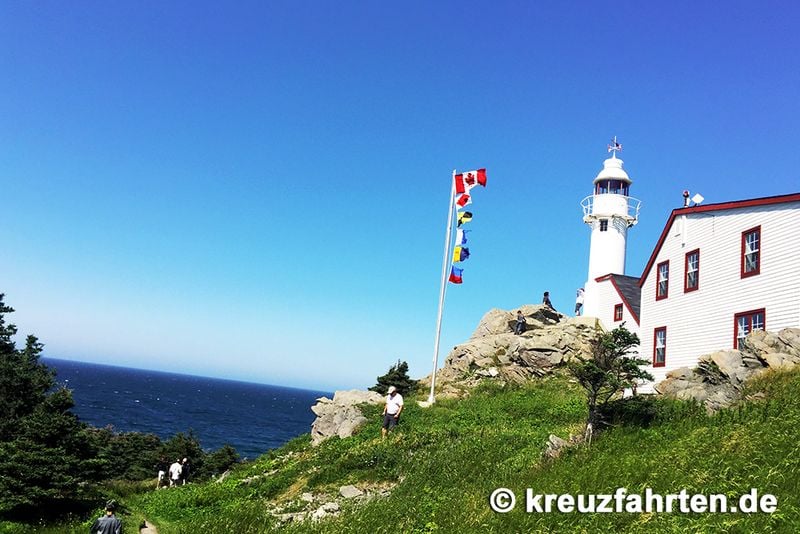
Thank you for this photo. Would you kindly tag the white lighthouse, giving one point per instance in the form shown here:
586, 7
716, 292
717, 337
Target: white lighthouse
609, 212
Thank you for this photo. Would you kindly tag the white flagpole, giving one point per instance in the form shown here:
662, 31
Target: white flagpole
443, 288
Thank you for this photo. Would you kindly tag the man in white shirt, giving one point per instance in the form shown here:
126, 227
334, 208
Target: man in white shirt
175, 471
391, 411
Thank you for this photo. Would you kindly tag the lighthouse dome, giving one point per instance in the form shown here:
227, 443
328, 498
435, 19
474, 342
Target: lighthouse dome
612, 170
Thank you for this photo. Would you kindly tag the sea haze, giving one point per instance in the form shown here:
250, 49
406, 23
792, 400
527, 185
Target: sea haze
252, 417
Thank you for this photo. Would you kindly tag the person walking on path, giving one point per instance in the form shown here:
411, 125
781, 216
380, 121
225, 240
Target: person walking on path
175, 471
579, 301
107, 524
546, 300
162, 468
391, 411
519, 328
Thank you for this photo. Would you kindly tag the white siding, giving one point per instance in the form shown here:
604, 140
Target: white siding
702, 321
608, 296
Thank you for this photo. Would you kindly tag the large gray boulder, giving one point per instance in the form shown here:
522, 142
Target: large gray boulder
340, 416
718, 380
495, 352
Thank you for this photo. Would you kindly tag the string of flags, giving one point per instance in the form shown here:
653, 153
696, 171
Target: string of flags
464, 183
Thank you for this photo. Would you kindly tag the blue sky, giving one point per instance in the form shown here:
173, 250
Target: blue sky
259, 191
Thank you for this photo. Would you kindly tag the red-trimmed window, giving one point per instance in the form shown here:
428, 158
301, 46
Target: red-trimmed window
746, 322
660, 347
662, 282
751, 252
618, 312
691, 282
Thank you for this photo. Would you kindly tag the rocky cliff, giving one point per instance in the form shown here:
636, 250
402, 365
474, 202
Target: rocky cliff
719, 378
549, 340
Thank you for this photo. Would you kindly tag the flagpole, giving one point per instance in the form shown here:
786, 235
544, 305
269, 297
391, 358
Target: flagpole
443, 288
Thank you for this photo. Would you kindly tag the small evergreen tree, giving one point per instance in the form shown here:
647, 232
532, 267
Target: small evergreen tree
397, 377
220, 460
608, 371
45, 458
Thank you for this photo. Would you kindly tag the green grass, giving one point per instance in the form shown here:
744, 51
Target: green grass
447, 457
443, 463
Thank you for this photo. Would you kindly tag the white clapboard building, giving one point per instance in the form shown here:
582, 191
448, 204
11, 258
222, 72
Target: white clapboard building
716, 272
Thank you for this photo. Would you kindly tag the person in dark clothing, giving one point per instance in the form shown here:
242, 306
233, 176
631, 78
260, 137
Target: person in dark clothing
184, 471
107, 524
519, 328
546, 301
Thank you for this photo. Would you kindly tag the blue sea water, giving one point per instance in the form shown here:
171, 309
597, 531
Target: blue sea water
252, 417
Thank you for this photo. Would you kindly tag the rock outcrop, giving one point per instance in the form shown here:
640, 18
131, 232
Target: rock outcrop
550, 339
718, 379
340, 416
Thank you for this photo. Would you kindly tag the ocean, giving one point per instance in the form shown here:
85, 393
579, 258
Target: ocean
254, 418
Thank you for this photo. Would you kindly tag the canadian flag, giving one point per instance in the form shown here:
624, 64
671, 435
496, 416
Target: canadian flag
467, 180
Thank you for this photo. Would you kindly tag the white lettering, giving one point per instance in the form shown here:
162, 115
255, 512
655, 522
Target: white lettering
566, 503
769, 503
619, 497
719, 503
633, 504
698, 504
651, 498
604, 507
533, 503
583, 506
748, 503
549, 499
684, 499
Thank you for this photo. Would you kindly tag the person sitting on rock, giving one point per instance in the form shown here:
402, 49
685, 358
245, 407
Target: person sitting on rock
391, 411
546, 301
519, 328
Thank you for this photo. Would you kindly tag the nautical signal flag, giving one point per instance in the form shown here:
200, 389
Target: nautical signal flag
467, 180
464, 217
460, 254
455, 275
464, 200
461, 237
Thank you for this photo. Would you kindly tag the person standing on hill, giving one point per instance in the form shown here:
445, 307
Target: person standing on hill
162, 468
175, 471
546, 300
184, 471
579, 301
107, 524
391, 411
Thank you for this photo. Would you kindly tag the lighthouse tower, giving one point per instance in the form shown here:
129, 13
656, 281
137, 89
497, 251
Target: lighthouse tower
609, 212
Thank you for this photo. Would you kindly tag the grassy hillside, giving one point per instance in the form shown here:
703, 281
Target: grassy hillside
445, 461
442, 464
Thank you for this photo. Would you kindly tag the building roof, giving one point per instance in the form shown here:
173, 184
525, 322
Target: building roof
628, 289
736, 204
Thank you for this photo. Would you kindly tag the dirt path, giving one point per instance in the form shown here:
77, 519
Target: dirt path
149, 528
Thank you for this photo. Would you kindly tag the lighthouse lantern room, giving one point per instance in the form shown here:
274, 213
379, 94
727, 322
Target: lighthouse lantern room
609, 212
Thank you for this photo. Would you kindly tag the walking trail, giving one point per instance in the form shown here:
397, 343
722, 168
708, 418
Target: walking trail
149, 528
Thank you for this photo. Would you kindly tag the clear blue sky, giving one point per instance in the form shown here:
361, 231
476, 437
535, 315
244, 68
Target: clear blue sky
259, 191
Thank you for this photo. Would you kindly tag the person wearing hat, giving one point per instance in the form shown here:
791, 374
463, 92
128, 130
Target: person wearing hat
391, 411
107, 524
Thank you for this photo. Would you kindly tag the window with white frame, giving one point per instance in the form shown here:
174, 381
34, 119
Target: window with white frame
692, 281
746, 322
662, 284
603, 225
751, 252
660, 347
